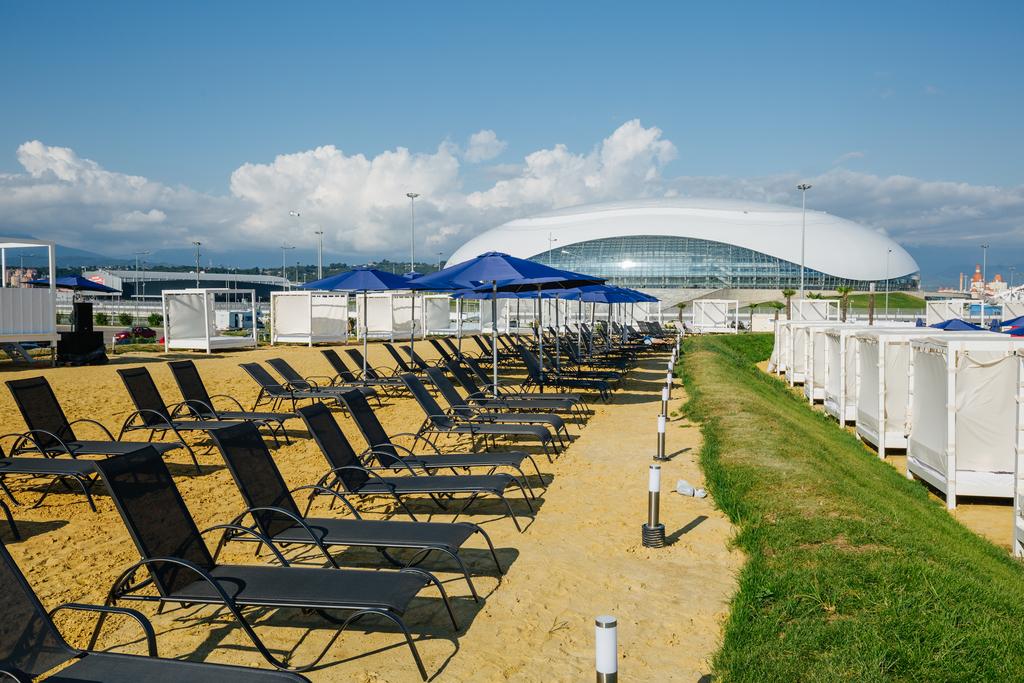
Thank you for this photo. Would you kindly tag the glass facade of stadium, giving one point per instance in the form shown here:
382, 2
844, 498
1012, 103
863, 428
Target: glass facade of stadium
656, 261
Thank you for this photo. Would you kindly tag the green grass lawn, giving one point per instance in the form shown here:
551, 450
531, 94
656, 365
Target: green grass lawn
900, 300
852, 572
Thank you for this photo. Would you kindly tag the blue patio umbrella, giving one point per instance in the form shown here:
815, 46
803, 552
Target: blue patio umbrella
956, 325
1012, 322
75, 283
362, 280
504, 273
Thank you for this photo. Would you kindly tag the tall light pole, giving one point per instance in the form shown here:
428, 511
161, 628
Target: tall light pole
284, 267
412, 236
197, 245
1013, 269
440, 255
803, 187
319, 254
984, 279
887, 255
137, 255
551, 240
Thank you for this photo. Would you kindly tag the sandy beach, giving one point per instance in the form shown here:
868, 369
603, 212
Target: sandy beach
580, 558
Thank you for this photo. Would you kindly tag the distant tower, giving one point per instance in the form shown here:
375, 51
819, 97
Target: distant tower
961, 282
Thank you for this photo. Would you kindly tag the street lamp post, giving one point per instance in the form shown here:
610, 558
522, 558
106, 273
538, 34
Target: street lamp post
440, 255
412, 230
551, 240
320, 255
284, 256
1013, 269
803, 187
887, 255
137, 255
197, 245
984, 279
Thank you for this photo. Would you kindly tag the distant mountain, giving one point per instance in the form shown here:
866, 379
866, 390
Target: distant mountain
67, 257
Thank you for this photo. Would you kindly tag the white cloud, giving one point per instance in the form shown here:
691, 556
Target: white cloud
483, 146
849, 156
360, 201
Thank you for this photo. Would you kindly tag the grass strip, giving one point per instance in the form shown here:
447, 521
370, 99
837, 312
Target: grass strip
853, 573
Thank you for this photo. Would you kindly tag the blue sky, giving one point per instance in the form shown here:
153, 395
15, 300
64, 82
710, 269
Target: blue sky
185, 94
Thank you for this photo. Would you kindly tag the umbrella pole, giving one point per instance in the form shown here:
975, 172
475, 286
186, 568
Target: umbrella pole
579, 328
365, 350
458, 329
558, 339
540, 330
412, 325
494, 335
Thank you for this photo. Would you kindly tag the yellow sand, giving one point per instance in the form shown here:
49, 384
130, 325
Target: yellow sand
582, 556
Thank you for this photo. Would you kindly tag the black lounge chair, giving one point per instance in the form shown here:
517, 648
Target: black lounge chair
442, 352
276, 516
182, 571
459, 407
550, 379
345, 376
31, 646
56, 469
296, 381
152, 414
437, 422
402, 366
350, 477
273, 393
454, 348
516, 402
49, 431
193, 391
416, 358
389, 454
372, 373
10, 520
521, 390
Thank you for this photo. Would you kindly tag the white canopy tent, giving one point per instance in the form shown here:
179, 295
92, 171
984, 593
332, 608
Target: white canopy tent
816, 358
940, 310
716, 315
883, 385
28, 314
777, 361
388, 315
308, 317
436, 314
190, 319
963, 437
798, 343
812, 310
842, 379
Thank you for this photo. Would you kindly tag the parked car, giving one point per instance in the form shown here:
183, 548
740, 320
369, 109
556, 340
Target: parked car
128, 336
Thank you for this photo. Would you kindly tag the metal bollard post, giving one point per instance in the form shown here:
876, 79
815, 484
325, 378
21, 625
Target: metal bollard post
654, 531
659, 454
606, 647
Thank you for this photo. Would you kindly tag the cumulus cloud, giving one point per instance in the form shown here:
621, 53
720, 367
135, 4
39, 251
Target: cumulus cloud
359, 201
483, 146
849, 156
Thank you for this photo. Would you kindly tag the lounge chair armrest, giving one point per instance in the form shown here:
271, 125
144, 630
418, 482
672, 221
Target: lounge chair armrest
327, 491
14, 677
415, 439
328, 381
141, 413
246, 530
92, 422
233, 400
371, 471
139, 617
396, 464
27, 436
292, 387
22, 437
186, 408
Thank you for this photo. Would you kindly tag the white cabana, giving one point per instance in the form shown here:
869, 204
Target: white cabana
716, 315
777, 360
389, 315
28, 314
963, 436
939, 310
841, 373
883, 385
796, 348
813, 310
190, 319
308, 317
817, 358
1012, 309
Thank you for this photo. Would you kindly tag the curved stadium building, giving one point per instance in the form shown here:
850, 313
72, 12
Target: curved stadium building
705, 244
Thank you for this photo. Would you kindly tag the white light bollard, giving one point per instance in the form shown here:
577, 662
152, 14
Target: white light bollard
660, 453
606, 649
654, 530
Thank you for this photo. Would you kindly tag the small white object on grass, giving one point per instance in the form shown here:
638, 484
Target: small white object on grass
684, 488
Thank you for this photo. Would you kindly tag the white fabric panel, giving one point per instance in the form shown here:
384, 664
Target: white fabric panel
819, 357
402, 313
27, 311
867, 396
943, 309
928, 435
378, 313
1012, 309
986, 414
186, 316
811, 310
833, 361
436, 314
330, 316
798, 354
896, 384
851, 370
291, 314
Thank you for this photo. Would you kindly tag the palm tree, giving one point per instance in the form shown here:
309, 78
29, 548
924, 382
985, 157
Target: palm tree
777, 305
681, 305
789, 293
844, 292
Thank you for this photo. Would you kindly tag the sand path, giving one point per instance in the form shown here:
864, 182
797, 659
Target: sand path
581, 557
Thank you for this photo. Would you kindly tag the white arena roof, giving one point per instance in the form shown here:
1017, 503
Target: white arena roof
834, 245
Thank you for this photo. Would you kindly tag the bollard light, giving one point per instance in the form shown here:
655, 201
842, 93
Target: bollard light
606, 649
654, 531
664, 400
660, 452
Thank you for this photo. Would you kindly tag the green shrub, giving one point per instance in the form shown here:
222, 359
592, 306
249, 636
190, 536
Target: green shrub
125, 319
155, 320
101, 319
